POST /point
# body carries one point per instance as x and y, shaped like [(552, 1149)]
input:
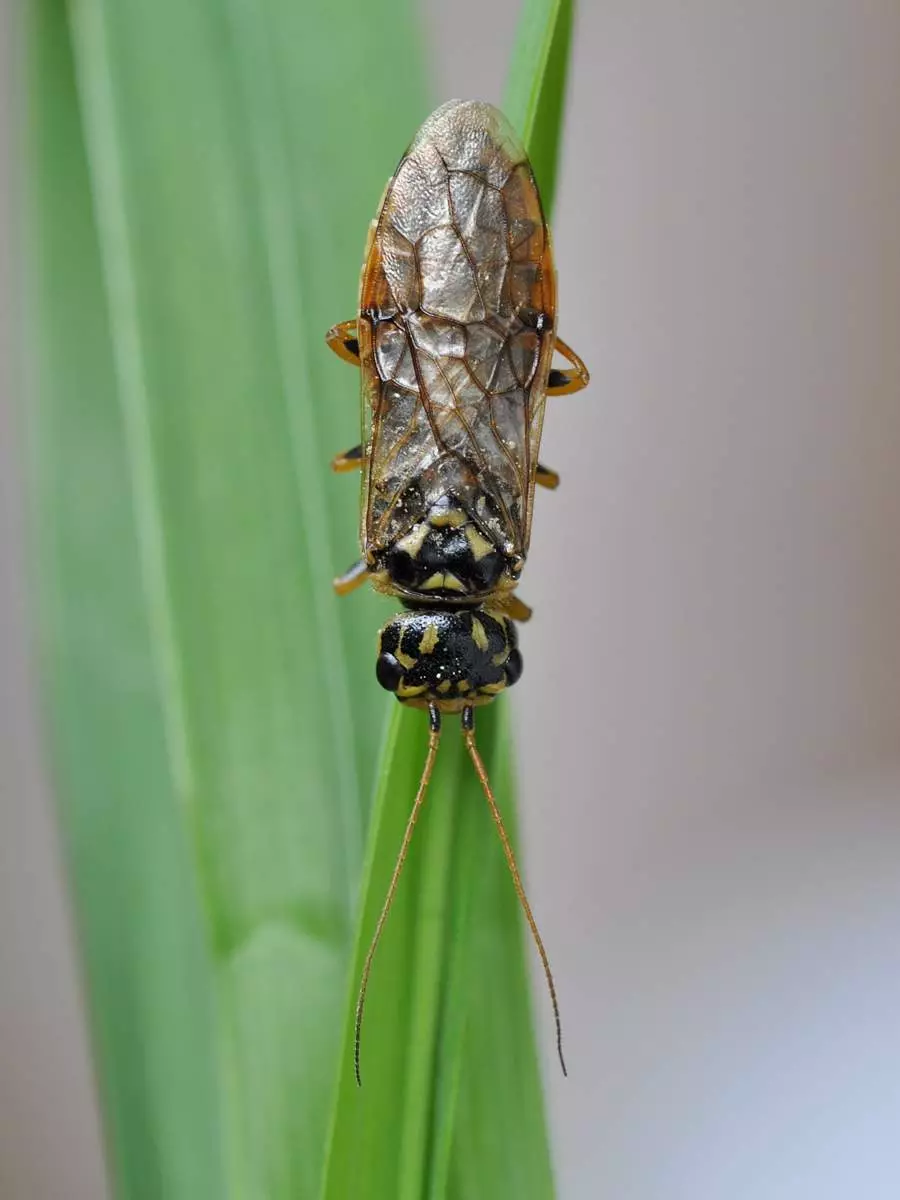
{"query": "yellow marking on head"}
[(404, 660), (434, 581), (414, 540), (444, 685), (493, 688), (404, 691), (478, 543), (499, 659), (429, 640), (479, 637), (451, 704), (454, 517)]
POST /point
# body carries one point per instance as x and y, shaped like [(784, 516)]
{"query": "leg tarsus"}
[(517, 609), (344, 341), (350, 460), (546, 477), (564, 383), (352, 579)]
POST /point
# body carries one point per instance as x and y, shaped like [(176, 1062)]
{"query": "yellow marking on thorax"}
[(478, 543), (429, 640), (447, 581), (452, 517), (479, 637), (493, 688), (444, 685), (414, 540)]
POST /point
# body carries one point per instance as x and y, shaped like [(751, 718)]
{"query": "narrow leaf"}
[(536, 85), (150, 984), (203, 175)]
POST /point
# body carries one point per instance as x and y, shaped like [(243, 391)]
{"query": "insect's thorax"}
[(448, 559)]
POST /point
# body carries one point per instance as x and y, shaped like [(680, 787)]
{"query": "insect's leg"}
[(468, 732), (545, 476), (344, 341), (354, 458), (517, 610), (352, 579), (563, 383)]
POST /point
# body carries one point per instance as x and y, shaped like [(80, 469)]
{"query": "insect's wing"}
[(457, 313)]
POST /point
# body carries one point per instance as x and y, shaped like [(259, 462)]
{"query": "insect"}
[(454, 338)]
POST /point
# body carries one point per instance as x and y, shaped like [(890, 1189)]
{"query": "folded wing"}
[(457, 315)]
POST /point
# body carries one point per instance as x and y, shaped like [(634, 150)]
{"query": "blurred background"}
[(709, 727)]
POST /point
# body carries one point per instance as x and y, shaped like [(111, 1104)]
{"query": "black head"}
[(451, 659)]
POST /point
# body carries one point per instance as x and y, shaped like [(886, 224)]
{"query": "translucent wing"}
[(456, 328)]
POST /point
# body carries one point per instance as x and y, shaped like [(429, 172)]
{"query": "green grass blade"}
[(212, 705), (451, 1103), (536, 85), (383, 1135), (145, 957), (379, 1135)]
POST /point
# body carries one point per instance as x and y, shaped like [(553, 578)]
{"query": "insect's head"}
[(448, 658)]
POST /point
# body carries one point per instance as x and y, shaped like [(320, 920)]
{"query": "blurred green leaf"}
[(536, 85), (150, 982), (202, 175)]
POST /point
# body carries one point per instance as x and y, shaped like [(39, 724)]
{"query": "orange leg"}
[(344, 341), (352, 579), (546, 477), (517, 609), (350, 460), (563, 383)]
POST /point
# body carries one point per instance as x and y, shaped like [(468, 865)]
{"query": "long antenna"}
[(434, 738), (468, 732)]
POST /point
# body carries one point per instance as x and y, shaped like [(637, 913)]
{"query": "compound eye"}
[(513, 667), (388, 672)]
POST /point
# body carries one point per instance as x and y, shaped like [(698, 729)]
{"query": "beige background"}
[(49, 1141), (710, 715)]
